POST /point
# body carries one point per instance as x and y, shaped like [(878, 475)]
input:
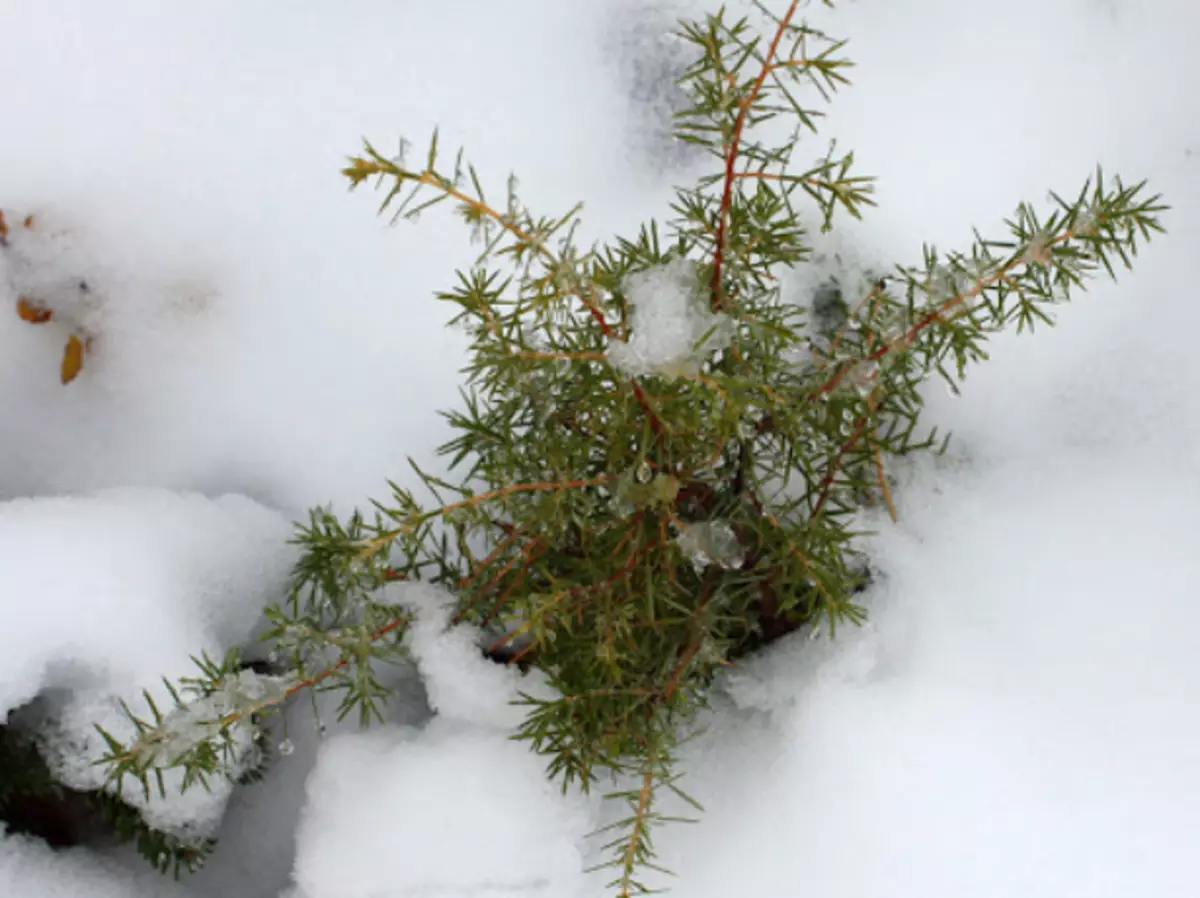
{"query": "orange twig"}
[(883, 484), (628, 567), (513, 533), (565, 356), (656, 423), (528, 553), (639, 824), (509, 225), (831, 474), (521, 488)]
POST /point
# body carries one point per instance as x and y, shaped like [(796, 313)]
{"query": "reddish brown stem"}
[(731, 154), (656, 424), (628, 567), (529, 553), (831, 475), (906, 339)]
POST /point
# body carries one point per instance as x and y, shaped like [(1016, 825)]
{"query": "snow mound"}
[(28, 869), (1033, 702), (460, 683), (451, 810), (470, 810)]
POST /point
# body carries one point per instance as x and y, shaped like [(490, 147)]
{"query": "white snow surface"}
[(460, 683), (452, 808), (29, 869), (441, 798), (1018, 719)]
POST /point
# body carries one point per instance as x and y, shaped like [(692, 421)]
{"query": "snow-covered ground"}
[(1018, 719)]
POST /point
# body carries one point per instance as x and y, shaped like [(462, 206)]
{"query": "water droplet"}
[(643, 473), (286, 747)]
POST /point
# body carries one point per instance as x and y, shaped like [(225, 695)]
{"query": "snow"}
[(472, 808), (450, 809), (1025, 729), (671, 329), (460, 683), (1018, 716), (28, 869)]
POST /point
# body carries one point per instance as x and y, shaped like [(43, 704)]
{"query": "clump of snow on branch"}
[(191, 815), (672, 329)]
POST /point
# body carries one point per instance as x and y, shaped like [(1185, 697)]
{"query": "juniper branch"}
[(634, 535)]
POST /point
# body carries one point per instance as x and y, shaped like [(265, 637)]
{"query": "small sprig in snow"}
[(195, 723), (671, 326)]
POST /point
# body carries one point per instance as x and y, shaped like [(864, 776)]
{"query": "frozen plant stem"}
[(732, 148), (658, 466)]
